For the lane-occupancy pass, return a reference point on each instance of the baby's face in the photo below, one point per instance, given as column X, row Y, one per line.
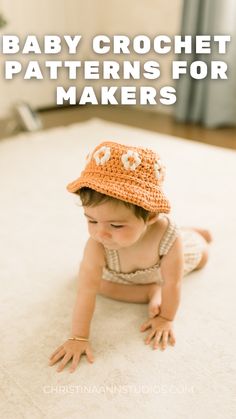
column 114, row 225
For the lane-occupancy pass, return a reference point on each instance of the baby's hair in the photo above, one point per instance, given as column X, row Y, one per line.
column 91, row 198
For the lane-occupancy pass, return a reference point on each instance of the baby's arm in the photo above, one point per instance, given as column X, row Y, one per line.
column 89, row 278
column 90, row 275
column 172, row 272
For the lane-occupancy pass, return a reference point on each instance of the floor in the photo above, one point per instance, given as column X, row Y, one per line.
column 156, row 122
column 43, row 234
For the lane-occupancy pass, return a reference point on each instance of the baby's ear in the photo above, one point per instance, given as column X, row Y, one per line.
column 152, row 218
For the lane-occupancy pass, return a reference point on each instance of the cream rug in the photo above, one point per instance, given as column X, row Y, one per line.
column 42, row 235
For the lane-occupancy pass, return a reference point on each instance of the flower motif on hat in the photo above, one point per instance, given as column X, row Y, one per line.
column 159, row 169
column 102, row 155
column 131, row 160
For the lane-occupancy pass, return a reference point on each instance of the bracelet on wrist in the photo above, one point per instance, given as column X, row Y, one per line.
column 169, row 320
column 79, row 338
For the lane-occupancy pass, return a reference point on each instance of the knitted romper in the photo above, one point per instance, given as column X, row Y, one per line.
column 193, row 244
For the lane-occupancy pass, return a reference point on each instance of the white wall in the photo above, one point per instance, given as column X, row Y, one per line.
column 88, row 18
column 146, row 17
column 41, row 17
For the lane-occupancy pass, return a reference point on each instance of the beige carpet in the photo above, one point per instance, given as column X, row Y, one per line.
column 42, row 234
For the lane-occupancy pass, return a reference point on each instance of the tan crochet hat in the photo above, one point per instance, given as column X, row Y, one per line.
column 131, row 174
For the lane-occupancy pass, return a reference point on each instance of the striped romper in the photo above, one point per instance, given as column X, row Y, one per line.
column 193, row 245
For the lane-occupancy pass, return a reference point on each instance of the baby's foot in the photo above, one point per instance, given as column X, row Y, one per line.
column 206, row 234
column 154, row 303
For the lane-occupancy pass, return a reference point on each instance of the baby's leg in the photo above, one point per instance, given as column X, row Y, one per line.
column 206, row 234
column 150, row 293
column 204, row 259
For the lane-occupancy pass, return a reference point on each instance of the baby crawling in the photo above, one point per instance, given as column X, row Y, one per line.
column 135, row 252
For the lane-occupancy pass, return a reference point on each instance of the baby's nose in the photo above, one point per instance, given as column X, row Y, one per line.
column 103, row 233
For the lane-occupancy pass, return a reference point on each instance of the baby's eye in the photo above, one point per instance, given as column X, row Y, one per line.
column 117, row 226
column 92, row 222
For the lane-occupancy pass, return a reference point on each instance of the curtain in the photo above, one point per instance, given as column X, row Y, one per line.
column 209, row 102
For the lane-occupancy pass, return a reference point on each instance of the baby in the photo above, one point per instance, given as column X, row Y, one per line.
column 135, row 252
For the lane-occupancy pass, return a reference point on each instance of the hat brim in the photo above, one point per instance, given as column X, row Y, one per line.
column 154, row 201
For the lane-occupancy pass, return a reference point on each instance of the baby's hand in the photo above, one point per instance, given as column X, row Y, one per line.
column 162, row 330
column 71, row 349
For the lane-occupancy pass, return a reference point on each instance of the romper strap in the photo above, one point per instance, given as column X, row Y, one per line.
column 168, row 238
column 112, row 259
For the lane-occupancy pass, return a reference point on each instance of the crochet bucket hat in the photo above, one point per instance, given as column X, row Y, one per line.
column 131, row 174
